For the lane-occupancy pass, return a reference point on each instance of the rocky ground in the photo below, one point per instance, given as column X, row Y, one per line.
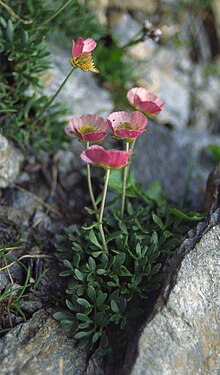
column 39, row 199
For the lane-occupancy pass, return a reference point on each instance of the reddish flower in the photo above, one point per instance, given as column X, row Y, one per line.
column 82, row 56
column 145, row 101
column 109, row 159
column 127, row 126
column 88, row 128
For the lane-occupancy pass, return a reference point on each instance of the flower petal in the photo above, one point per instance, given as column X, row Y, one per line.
column 89, row 45
column 94, row 137
column 127, row 126
column 145, row 101
column 127, row 134
column 77, row 48
column 98, row 156
column 87, row 128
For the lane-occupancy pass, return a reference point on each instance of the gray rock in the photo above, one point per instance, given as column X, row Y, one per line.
column 10, row 162
column 3, row 280
column 123, row 26
column 164, row 71
column 183, row 337
column 40, row 347
column 166, row 155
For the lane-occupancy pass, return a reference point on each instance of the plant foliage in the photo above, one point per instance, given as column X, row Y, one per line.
column 109, row 292
column 24, row 57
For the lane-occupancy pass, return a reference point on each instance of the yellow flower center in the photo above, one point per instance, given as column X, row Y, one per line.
column 127, row 125
column 85, row 62
column 87, row 128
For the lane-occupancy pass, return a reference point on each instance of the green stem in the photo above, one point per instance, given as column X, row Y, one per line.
column 102, row 211
column 139, row 37
column 56, row 13
column 90, row 184
column 47, row 105
column 125, row 174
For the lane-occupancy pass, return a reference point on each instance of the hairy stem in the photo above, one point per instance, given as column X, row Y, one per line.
column 125, row 174
column 102, row 211
column 90, row 184
column 56, row 13
column 47, row 105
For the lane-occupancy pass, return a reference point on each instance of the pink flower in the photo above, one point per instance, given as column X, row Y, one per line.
column 111, row 159
column 82, row 46
column 145, row 101
column 127, row 126
column 82, row 56
column 88, row 128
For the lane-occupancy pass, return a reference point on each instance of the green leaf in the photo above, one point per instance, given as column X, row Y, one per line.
column 113, row 236
column 124, row 272
column 101, row 297
column 82, row 334
column 215, row 151
column 83, row 342
column 83, row 325
column 114, row 307
column 63, row 315
column 138, row 250
column 92, row 264
column 79, row 275
column 123, row 227
column 154, row 239
column 94, row 240
column 65, row 273
column 119, row 260
column 155, row 269
column 83, row 317
column 158, row 221
column 67, row 325
column 91, row 293
column 67, row 264
column 104, row 340
column 101, row 271
column 115, row 180
column 83, row 302
column 154, row 193
column 10, row 30
column 76, row 260
column 3, row 22
column 184, row 216
column 96, row 253
column 91, row 226
column 12, row 56
column 70, row 305
column 96, row 337
column 24, row 37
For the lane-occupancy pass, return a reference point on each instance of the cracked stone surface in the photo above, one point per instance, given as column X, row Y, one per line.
column 183, row 338
column 10, row 162
column 40, row 347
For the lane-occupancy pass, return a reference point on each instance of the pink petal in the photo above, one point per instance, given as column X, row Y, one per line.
column 139, row 119
column 148, row 106
column 97, row 121
column 118, row 159
column 116, row 118
column 76, row 122
column 127, row 134
column 145, row 100
column 94, row 137
column 97, row 155
column 131, row 94
column 89, row 45
column 77, row 48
